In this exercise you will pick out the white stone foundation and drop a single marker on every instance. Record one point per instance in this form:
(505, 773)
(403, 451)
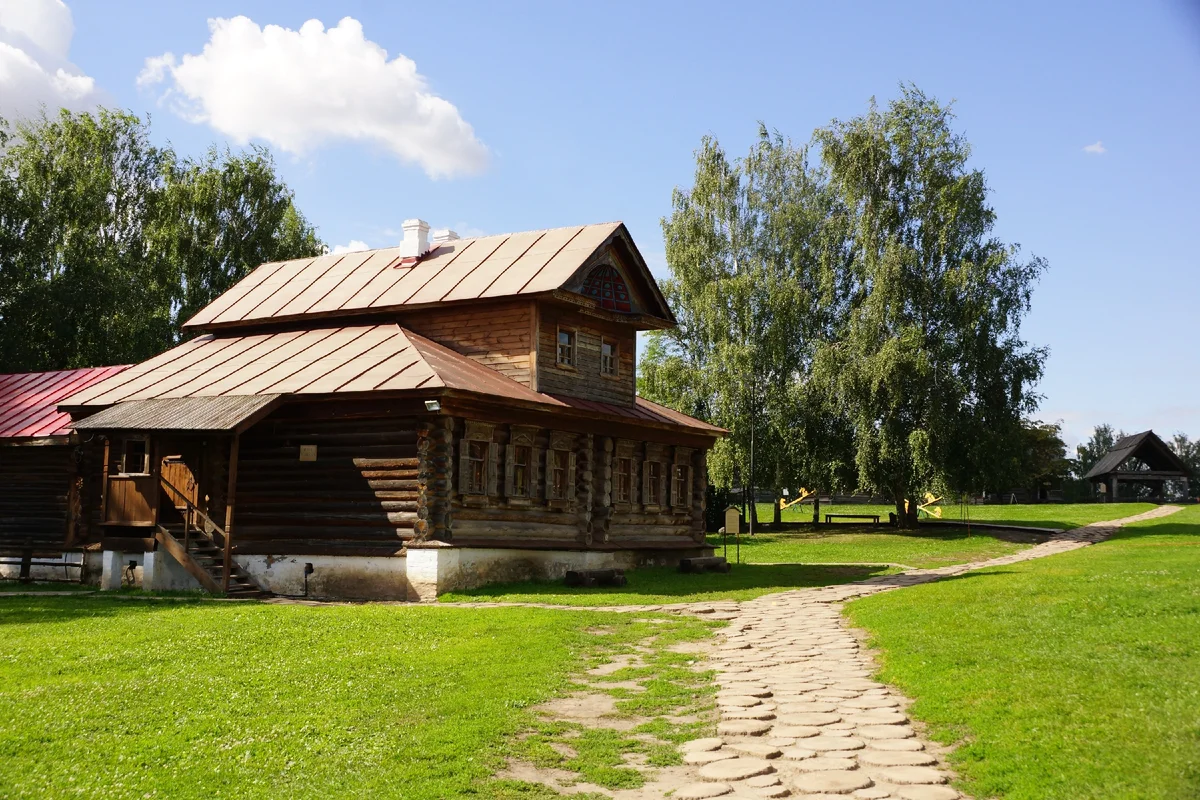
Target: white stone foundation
(43, 572)
(348, 577)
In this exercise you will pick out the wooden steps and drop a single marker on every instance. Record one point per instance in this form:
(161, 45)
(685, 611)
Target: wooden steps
(205, 561)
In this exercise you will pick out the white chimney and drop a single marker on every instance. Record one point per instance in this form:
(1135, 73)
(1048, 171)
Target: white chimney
(443, 235)
(416, 238)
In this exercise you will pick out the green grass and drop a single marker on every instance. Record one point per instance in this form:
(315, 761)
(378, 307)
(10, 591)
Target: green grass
(1039, 515)
(1074, 677)
(657, 585)
(921, 549)
(188, 698)
(8, 586)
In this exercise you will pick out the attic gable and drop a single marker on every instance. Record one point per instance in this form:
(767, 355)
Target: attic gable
(378, 282)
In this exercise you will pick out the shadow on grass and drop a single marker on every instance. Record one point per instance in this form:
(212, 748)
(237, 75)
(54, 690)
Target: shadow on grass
(38, 608)
(668, 583)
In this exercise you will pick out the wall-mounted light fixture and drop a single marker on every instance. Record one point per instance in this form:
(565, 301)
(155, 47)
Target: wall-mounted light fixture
(433, 405)
(308, 570)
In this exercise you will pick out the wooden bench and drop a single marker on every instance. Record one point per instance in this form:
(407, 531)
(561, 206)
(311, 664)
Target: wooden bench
(704, 564)
(595, 577)
(873, 517)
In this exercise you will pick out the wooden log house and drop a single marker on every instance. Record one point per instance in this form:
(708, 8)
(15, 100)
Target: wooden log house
(398, 422)
(44, 471)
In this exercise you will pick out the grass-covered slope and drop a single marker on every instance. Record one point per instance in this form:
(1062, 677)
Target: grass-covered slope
(1075, 676)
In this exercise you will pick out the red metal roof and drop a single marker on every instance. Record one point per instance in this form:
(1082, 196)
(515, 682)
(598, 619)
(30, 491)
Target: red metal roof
(29, 400)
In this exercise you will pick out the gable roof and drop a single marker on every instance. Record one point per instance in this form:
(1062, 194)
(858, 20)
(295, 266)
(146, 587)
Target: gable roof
(321, 361)
(378, 281)
(1148, 447)
(29, 400)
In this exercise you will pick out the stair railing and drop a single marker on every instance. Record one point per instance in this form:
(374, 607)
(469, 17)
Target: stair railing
(206, 525)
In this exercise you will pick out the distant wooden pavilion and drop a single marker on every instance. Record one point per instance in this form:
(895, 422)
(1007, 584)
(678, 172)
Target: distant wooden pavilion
(1142, 458)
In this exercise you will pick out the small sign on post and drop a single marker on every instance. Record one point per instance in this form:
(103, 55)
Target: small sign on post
(733, 524)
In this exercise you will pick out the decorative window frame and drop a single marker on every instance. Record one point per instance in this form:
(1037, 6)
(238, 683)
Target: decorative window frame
(624, 451)
(656, 454)
(616, 358)
(124, 471)
(560, 442)
(573, 365)
(479, 432)
(521, 436)
(683, 460)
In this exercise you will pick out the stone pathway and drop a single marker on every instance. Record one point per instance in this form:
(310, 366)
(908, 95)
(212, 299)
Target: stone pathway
(800, 716)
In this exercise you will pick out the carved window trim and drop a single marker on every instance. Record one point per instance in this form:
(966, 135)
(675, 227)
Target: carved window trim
(625, 458)
(655, 478)
(522, 445)
(560, 461)
(477, 435)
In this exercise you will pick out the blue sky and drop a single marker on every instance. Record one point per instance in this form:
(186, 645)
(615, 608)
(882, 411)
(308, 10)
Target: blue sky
(590, 112)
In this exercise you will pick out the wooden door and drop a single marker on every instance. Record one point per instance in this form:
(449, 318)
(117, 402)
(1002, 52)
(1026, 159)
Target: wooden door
(182, 482)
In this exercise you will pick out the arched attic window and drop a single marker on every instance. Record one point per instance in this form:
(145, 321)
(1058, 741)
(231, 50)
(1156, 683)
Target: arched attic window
(606, 285)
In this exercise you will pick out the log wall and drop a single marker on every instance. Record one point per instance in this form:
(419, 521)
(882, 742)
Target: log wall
(35, 490)
(499, 335)
(358, 497)
(585, 379)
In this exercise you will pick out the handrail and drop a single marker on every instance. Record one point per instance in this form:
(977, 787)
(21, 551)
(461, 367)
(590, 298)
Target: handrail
(193, 507)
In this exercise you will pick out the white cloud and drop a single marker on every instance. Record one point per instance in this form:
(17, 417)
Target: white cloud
(301, 89)
(35, 42)
(1095, 149)
(353, 246)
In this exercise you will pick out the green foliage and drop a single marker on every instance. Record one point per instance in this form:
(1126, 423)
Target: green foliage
(108, 243)
(1042, 458)
(744, 245)
(1070, 677)
(1098, 444)
(926, 356)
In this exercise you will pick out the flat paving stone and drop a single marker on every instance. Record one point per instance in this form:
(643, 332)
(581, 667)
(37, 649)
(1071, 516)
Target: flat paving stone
(910, 775)
(743, 700)
(877, 718)
(820, 763)
(702, 791)
(754, 748)
(897, 744)
(832, 782)
(796, 753)
(735, 769)
(702, 757)
(743, 727)
(886, 758)
(834, 743)
(927, 793)
(749, 713)
(886, 732)
(711, 743)
(809, 718)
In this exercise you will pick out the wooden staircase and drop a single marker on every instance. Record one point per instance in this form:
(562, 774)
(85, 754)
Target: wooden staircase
(203, 548)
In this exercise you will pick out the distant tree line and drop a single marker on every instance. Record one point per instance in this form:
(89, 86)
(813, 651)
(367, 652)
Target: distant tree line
(108, 243)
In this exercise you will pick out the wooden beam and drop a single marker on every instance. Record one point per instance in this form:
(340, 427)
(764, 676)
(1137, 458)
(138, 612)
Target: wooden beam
(172, 546)
(535, 330)
(230, 499)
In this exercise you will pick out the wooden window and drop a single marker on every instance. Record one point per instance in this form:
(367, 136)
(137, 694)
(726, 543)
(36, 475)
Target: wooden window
(624, 480)
(652, 483)
(560, 477)
(135, 458)
(681, 485)
(477, 462)
(518, 476)
(477, 453)
(609, 362)
(566, 348)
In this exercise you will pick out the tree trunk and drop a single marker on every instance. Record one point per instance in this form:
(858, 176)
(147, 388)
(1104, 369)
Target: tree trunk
(777, 519)
(816, 508)
(907, 518)
(753, 512)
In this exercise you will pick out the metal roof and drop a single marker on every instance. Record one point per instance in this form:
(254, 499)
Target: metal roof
(514, 264)
(1147, 447)
(181, 414)
(323, 361)
(29, 400)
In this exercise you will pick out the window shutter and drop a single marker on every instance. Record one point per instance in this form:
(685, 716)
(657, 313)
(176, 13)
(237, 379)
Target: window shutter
(493, 456)
(510, 457)
(570, 477)
(464, 466)
(645, 482)
(549, 474)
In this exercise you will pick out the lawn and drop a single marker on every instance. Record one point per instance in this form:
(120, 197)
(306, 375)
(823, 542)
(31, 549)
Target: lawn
(657, 585)
(920, 549)
(1076, 676)
(1040, 515)
(191, 698)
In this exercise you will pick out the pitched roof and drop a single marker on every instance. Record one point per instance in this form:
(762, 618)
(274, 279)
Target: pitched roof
(514, 264)
(1147, 446)
(194, 414)
(322, 361)
(29, 400)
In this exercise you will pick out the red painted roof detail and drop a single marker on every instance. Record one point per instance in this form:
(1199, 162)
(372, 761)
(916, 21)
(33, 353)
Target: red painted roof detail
(29, 400)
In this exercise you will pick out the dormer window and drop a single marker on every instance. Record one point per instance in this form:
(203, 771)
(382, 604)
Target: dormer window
(605, 284)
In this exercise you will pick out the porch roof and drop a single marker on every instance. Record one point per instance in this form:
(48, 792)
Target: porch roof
(191, 414)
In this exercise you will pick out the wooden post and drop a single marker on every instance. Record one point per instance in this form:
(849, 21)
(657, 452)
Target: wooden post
(104, 484)
(230, 497)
